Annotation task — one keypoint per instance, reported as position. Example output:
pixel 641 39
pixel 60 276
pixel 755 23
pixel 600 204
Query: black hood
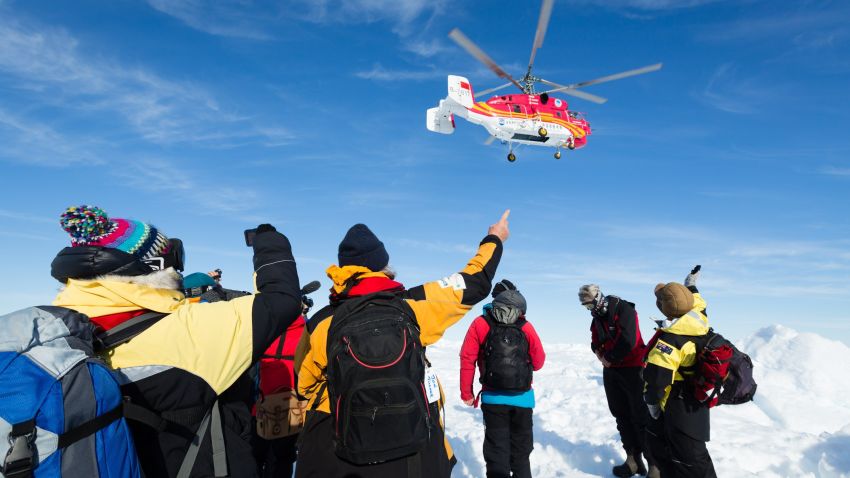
pixel 88 262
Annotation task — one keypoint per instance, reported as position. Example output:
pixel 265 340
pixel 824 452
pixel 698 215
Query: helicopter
pixel 527 117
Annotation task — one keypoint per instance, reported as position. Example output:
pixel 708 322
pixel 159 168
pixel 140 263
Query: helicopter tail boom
pixel 460 90
pixel 459 101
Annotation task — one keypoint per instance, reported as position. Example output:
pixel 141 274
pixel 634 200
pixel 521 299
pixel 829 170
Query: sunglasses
pixel 174 256
pixel 588 305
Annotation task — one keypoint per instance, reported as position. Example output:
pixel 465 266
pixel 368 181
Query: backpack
pixel 375 380
pixel 723 374
pixel 62 413
pixel 506 364
pixel 281 413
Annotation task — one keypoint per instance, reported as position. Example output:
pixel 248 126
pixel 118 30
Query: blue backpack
pixel 61 409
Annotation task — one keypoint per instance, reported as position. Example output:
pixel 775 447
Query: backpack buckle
pixel 20 457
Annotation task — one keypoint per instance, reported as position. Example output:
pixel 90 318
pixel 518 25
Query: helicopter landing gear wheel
pixel 571 144
pixel 542 132
pixel 511 157
pixel 558 154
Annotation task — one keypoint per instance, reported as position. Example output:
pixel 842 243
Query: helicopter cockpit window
pixel 558 114
pixel 516 109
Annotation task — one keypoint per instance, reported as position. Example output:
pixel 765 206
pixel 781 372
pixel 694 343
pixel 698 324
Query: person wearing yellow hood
pixel 424 312
pixel 680 427
pixel 122 272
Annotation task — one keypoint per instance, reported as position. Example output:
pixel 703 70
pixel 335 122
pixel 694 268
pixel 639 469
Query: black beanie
pixel 361 247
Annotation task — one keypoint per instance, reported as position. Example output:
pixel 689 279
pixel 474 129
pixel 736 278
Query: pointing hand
pixel 500 229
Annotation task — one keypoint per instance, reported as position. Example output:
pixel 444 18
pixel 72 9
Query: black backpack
pixel 375 374
pixel 506 363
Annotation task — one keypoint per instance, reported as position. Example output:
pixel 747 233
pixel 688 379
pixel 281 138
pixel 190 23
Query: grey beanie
pixel 589 293
pixel 511 298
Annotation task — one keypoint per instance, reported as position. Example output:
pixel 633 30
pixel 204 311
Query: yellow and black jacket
pixel 437 306
pixel 180 365
pixel 671 363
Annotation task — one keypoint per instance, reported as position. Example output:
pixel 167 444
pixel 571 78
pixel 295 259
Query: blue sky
pixel 206 118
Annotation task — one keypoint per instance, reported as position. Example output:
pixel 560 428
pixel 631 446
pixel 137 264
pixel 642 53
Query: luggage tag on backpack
pixel 432 386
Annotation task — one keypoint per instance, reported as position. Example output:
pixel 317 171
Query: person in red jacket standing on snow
pixel 617 343
pixel 507 350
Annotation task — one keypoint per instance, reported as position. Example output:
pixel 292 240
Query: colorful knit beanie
pixel 90 226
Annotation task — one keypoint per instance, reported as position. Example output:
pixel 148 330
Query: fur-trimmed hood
pixel 112 294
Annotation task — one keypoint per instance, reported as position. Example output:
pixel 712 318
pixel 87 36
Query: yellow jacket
pixel 437 305
pixel 179 366
pixel 674 352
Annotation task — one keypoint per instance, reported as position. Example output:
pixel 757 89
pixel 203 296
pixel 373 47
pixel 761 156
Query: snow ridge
pixel 798 425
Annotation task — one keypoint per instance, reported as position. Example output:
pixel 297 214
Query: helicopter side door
pixel 519 116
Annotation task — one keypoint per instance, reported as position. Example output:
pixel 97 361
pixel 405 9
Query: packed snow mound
pixel 803 375
pixel 798 426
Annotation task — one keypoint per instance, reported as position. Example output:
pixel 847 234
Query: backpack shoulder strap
pixel 320 316
pixel 125 331
pixel 278 354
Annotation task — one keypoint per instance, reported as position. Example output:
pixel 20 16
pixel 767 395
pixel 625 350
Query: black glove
pixel 265 228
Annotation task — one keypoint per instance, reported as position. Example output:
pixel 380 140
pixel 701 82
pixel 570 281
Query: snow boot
pixel 654 472
pixel 632 466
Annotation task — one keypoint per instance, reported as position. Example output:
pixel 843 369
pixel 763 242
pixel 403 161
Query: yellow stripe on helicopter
pixel 546 117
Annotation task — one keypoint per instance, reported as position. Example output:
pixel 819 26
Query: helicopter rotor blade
pixel 615 76
pixel 542 25
pixel 489 140
pixel 570 90
pixel 583 95
pixel 487 92
pixel 479 54
pixel 620 76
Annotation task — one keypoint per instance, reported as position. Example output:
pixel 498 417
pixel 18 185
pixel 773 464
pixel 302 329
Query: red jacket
pixel 472 352
pixel 617 334
pixel 276 372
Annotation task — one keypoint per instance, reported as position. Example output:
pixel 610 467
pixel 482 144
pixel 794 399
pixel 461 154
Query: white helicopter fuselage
pixel 520 120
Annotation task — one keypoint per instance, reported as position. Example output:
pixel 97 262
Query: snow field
pixel 798 425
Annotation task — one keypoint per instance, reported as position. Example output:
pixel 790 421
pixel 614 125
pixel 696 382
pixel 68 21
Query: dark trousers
pixel 508 441
pixel 677 454
pixel 624 391
pixel 316 457
pixel 275 458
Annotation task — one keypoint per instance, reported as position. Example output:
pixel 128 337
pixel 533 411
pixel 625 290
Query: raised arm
pixel 440 304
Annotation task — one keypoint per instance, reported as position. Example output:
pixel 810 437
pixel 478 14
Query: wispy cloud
pixel 426 48
pixel 52 63
pixel 161 176
pixel 22 216
pixel 35 143
pixel 258 20
pixel 834 171
pixel 23 235
pixel 237 19
pixel 639 8
pixel 799 23
pixel 728 91
pixel 379 73
pixel 436 246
